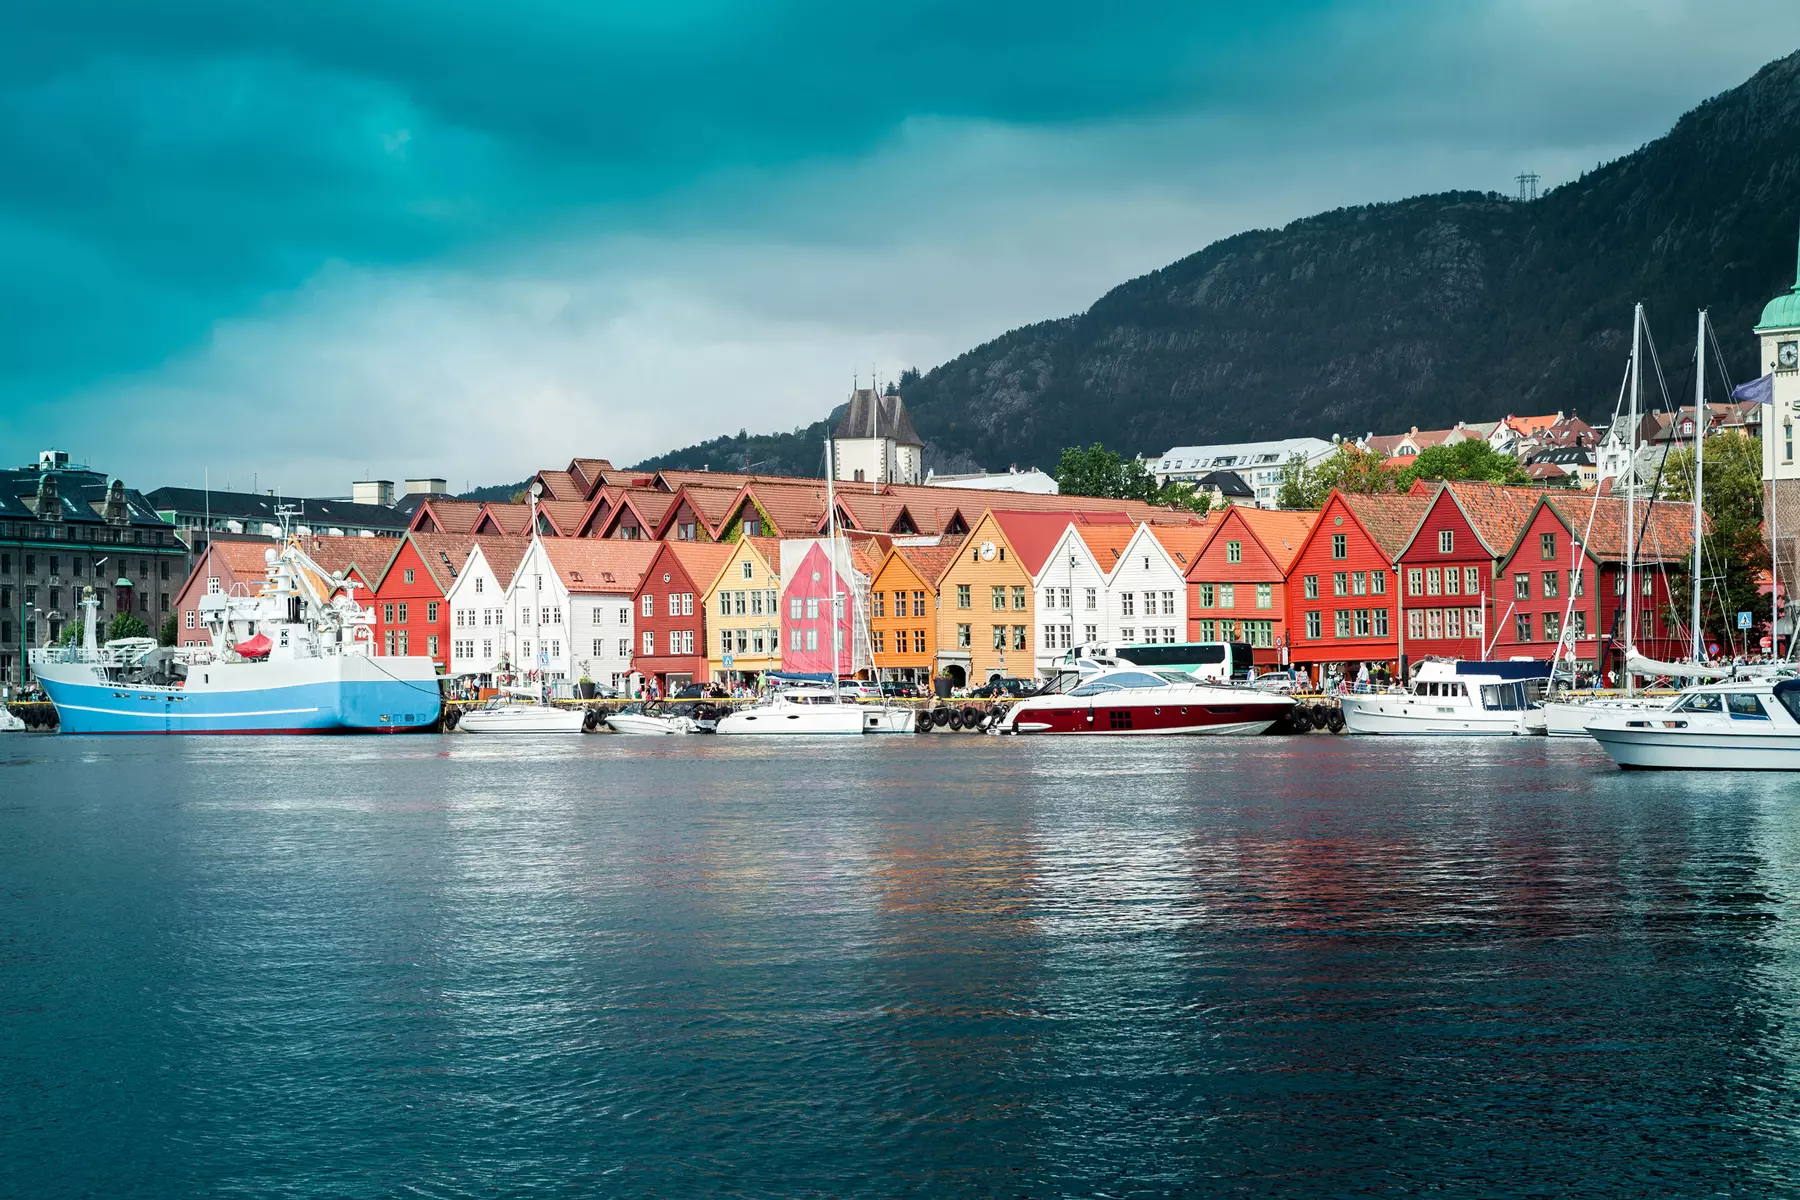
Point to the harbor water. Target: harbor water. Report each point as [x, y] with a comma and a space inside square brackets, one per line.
[607, 966]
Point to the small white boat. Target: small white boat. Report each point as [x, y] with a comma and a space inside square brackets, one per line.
[653, 720]
[1736, 725]
[1569, 717]
[10, 723]
[520, 712]
[801, 710]
[1456, 699]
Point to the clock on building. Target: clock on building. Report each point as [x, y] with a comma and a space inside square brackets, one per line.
[987, 550]
[1787, 356]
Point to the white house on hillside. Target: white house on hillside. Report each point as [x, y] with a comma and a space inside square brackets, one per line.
[1260, 463]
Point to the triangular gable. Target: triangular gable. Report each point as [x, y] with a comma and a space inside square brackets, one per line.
[731, 566]
[598, 510]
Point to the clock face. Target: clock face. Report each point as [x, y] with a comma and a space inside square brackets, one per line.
[987, 550]
[1788, 355]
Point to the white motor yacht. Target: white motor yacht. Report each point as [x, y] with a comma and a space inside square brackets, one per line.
[1569, 716]
[1737, 725]
[1139, 702]
[1456, 699]
[520, 712]
[802, 710]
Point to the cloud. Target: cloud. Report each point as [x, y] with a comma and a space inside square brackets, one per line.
[469, 242]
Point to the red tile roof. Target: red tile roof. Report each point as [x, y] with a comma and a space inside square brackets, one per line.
[1033, 535]
[1280, 532]
[1389, 520]
[597, 565]
[503, 557]
[701, 560]
[447, 516]
[1498, 514]
[1184, 542]
[561, 485]
[930, 562]
[1665, 530]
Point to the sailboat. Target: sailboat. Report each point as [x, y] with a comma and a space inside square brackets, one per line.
[1570, 717]
[795, 708]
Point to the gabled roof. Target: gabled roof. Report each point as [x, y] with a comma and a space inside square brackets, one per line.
[648, 505]
[794, 508]
[711, 507]
[597, 565]
[441, 554]
[1183, 543]
[339, 554]
[1665, 530]
[502, 555]
[590, 473]
[1498, 514]
[447, 516]
[565, 516]
[930, 562]
[561, 485]
[504, 520]
[1106, 542]
[1033, 535]
[701, 560]
[244, 559]
[1280, 532]
[1389, 520]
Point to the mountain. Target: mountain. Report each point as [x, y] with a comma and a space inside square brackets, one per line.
[1464, 305]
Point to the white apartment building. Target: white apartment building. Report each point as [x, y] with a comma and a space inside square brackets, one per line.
[568, 610]
[1259, 463]
[1071, 591]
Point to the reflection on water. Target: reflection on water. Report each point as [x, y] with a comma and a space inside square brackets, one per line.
[465, 966]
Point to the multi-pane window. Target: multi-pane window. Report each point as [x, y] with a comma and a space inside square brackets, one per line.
[1378, 582]
[1168, 604]
[431, 612]
[1206, 595]
[1453, 622]
[1341, 622]
[1362, 622]
[1452, 581]
[1311, 586]
[962, 637]
[1547, 546]
[879, 637]
[1381, 622]
[1340, 583]
[1522, 590]
[1340, 545]
[1415, 581]
[919, 602]
[402, 608]
[1312, 625]
[1127, 604]
[1018, 594]
[1550, 590]
[999, 637]
[1471, 581]
[1415, 623]
[1090, 634]
[1522, 627]
[1446, 541]
[999, 598]
[1472, 622]
[919, 640]
[1019, 641]
[1093, 599]
[1433, 582]
[1552, 626]
[878, 602]
[1234, 552]
[1227, 596]
[1578, 623]
[1359, 583]
[649, 605]
[725, 604]
[1265, 595]
[1434, 623]
[649, 642]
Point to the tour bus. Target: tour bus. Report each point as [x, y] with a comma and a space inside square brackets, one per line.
[1219, 661]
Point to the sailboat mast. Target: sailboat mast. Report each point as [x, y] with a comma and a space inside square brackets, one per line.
[1700, 427]
[1637, 382]
[831, 533]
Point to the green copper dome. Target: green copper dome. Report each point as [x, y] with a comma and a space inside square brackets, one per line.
[1783, 312]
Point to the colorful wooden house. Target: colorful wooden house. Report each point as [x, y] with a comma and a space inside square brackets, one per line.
[743, 601]
[669, 614]
[1342, 595]
[1447, 568]
[903, 607]
[1237, 583]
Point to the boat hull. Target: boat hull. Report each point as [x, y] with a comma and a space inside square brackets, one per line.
[347, 694]
[1076, 717]
[1698, 750]
[549, 720]
[638, 724]
[802, 720]
[1404, 716]
[1571, 720]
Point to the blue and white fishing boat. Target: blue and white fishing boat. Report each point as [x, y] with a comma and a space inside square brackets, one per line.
[296, 657]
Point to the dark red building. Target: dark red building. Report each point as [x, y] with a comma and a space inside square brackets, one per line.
[669, 614]
[410, 614]
[1447, 568]
[1555, 588]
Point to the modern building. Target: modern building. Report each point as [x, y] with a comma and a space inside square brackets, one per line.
[194, 510]
[65, 527]
[1030, 480]
[876, 441]
[1259, 463]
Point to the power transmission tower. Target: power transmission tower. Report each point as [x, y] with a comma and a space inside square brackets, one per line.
[1528, 185]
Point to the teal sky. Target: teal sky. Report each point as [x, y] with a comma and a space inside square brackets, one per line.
[311, 243]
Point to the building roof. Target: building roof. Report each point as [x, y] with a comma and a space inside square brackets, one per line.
[1783, 312]
[438, 515]
[1388, 519]
[1280, 532]
[561, 485]
[1106, 542]
[599, 565]
[795, 507]
[1240, 455]
[503, 556]
[368, 555]
[1227, 483]
[1033, 535]
[931, 561]
[701, 560]
[873, 415]
[505, 519]
[1498, 514]
[1665, 529]
[260, 507]
[1183, 543]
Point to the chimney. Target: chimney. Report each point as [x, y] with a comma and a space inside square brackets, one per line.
[373, 491]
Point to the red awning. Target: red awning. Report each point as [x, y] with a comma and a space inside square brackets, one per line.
[256, 647]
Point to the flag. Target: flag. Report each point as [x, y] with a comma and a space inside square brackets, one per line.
[1762, 391]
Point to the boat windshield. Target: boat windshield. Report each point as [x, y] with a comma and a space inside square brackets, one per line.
[1788, 692]
[1699, 702]
[1119, 680]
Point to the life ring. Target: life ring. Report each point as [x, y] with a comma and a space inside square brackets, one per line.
[363, 634]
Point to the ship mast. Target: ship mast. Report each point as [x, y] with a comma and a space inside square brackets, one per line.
[1637, 383]
[1700, 427]
[831, 534]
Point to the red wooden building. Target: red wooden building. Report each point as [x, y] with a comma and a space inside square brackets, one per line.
[1342, 595]
[669, 613]
[1554, 588]
[411, 616]
[1448, 566]
[1241, 574]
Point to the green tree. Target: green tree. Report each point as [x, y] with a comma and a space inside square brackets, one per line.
[1471, 461]
[169, 632]
[1097, 471]
[1734, 553]
[126, 626]
[1350, 469]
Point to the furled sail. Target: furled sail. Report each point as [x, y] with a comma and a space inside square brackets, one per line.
[1637, 664]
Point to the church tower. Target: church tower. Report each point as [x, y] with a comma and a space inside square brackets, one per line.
[876, 441]
[1779, 332]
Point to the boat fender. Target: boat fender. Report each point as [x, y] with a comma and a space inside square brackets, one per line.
[922, 723]
[971, 716]
[591, 721]
[452, 718]
[956, 720]
[940, 717]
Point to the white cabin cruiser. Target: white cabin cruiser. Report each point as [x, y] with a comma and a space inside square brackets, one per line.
[1456, 699]
[1737, 725]
[10, 723]
[655, 719]
[804, 710]
[519, 711]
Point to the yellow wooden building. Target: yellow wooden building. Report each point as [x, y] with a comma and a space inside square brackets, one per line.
[985, 607]
[743, 614]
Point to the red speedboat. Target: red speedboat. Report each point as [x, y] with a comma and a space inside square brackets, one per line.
[1136, 700]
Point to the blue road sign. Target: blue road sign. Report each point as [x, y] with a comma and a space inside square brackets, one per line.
[1743, 620]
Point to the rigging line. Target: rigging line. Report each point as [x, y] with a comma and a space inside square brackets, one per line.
[1576, 551]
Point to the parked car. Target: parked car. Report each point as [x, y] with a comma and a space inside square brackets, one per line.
[900, 689]
[859, 689]
[1006, 686]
